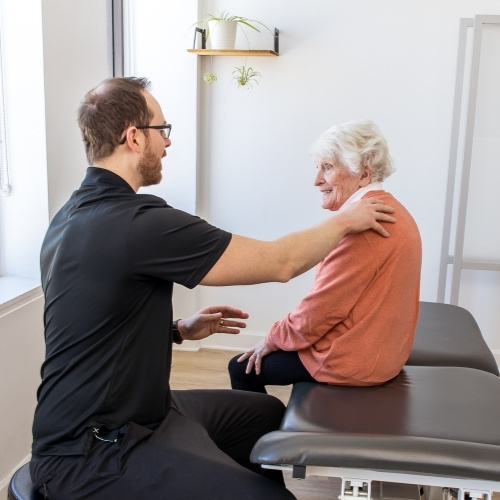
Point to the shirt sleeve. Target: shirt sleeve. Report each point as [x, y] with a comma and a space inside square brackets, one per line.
[173, 245]
[339, 282]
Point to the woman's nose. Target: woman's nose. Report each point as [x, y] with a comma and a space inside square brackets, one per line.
[319, 178]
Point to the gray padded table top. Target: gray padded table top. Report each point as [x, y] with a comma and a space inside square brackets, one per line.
[448, 335]
[427, 420]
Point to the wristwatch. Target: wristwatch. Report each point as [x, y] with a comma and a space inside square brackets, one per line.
[176, 334]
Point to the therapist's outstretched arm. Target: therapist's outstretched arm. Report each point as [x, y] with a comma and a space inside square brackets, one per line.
[248, 261]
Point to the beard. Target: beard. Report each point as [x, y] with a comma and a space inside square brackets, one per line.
[150, 168]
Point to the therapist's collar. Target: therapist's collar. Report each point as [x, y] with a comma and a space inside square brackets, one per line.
[357, 195]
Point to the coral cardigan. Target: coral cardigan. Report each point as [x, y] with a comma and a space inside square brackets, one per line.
[356, 325]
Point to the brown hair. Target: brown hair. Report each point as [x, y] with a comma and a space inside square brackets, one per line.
[107, 110]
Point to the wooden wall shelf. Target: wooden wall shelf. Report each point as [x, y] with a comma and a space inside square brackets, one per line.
[233, 52]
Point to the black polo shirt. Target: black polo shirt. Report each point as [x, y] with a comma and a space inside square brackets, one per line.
[108, 262]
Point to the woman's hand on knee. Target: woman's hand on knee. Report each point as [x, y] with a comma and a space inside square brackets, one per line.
[255, 356]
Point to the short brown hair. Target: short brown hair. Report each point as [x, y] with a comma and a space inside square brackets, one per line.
[107, 110]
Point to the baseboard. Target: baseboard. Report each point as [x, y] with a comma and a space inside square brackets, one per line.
[240, 342]
[4, 483]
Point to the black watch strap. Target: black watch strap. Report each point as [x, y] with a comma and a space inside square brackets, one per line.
[176, 334]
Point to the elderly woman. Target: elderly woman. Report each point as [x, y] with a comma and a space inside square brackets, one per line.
[357, 323]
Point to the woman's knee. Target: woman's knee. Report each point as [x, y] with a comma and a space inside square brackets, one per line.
[236, 368]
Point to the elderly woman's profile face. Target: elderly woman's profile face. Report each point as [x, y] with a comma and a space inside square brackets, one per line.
[336, 183]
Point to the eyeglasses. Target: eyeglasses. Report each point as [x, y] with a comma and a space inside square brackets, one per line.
[164, 131]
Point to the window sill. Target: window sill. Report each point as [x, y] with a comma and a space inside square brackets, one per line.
[15, 292]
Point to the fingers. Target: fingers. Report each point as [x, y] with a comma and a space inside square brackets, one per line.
[254, 361]
[226, 325]
[380, 215]
[229, 326]
[367, 214]
[230, 323]
[381, 230]
[244, 356]
[251, 362]
[384, 217]
[382, 211]
[258, 362]
[382, 207]
[230, 312]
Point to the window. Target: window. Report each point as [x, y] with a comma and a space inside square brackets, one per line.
[23, 207]
[4, 157]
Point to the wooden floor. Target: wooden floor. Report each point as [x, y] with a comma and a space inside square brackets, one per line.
[208, 369]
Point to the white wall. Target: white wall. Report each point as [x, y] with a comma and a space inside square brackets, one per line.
[77, 56]
[339, 61]
[21, 355]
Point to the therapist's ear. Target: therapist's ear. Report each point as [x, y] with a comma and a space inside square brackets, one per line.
[132, 139]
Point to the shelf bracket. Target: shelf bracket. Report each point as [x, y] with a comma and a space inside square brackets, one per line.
[203, 37]
[276, 40]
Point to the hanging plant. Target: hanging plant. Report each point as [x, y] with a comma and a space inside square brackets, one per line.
[210, 77]
[245, 77]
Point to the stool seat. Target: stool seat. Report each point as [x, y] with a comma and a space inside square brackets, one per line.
[21, 487]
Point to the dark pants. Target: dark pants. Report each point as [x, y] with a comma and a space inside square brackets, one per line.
[277, 368]
[200, 452]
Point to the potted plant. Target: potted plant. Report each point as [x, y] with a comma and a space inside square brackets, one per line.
[221, 29]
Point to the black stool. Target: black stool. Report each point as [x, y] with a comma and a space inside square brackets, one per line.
[21, 487]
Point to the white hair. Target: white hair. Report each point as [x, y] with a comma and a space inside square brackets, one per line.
[355, 144]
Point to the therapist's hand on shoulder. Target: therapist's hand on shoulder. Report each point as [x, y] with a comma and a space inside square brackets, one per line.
[212, 319]
[255, 356]
[366, 214]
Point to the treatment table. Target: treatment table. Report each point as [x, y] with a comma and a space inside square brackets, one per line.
[435, 425]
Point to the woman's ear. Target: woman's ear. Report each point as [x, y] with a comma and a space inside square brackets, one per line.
[366, 176]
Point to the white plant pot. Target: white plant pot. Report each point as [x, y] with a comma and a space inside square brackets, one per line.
[222, 34]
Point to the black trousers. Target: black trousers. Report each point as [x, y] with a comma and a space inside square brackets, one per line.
[277, 368]
[199, 452]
